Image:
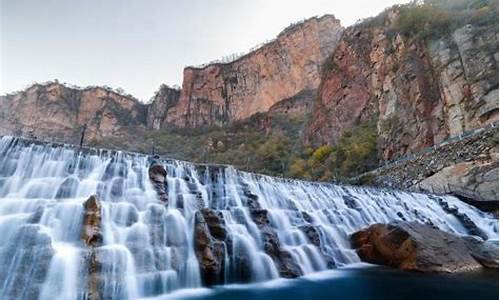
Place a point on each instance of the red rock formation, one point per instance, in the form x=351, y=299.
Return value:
x=421, y=92
x=225, y=92
x=56, y=111
x=212, y=95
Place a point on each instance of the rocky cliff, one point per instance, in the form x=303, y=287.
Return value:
x=216, y=94
x=57, y=111
x=224, y=92
x=421, y=87
x=415, y=76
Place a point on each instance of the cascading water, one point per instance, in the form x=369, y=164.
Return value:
x=148, y=249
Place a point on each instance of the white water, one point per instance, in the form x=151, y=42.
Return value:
x=148, y=248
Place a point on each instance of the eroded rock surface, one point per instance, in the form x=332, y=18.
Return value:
x=417, y=247
x=224, y=92
x=419, y=92
x=158, y=177
x=210, y=241
x=282, y=259
x=92, y=238
x=57, y=111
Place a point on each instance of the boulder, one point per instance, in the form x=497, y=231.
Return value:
x=282, y=259
x=485, y=252
x=314, y=237
x=158, y=177
x=92, y=238
x=209, y=244
x=418, y=247
x=91, y=230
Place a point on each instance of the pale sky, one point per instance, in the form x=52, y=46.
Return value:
x=139, y=44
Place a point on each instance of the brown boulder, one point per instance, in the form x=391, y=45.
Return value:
x=209, y=245
x=418, y=247
x=92, y=238
x=91, y=232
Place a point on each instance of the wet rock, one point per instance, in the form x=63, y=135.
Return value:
x=485, y=252
x=283, y=260
x=92, y=238
x=209, y=244
x=158, y=177
x=215, y=223
x=350, y=202
x=155, y=218
x=252, y=200
x=313, y=236
x=115, y=169
x=307, y=217
x=117, y=188
x=415, y=247
x=36, y=215
x=260, y=217
x=91, y=231
x=67, y=188
x=471, y=227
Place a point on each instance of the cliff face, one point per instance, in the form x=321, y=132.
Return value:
x=421, y=92
x=57, y=111
x=163, y=103
x=283, y=69
x=221, y=93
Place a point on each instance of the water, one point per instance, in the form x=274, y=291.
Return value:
x=368, y=283
x=147, y=248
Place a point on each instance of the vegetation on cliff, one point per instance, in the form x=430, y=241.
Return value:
x=434, y=18
x=404, y=86
x=263, y=144
x=355, y=153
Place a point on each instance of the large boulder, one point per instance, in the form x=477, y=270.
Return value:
x=419, y=247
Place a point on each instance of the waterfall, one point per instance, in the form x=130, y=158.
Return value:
x=275, y=226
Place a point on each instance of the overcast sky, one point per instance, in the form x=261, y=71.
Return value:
x=139, y=44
